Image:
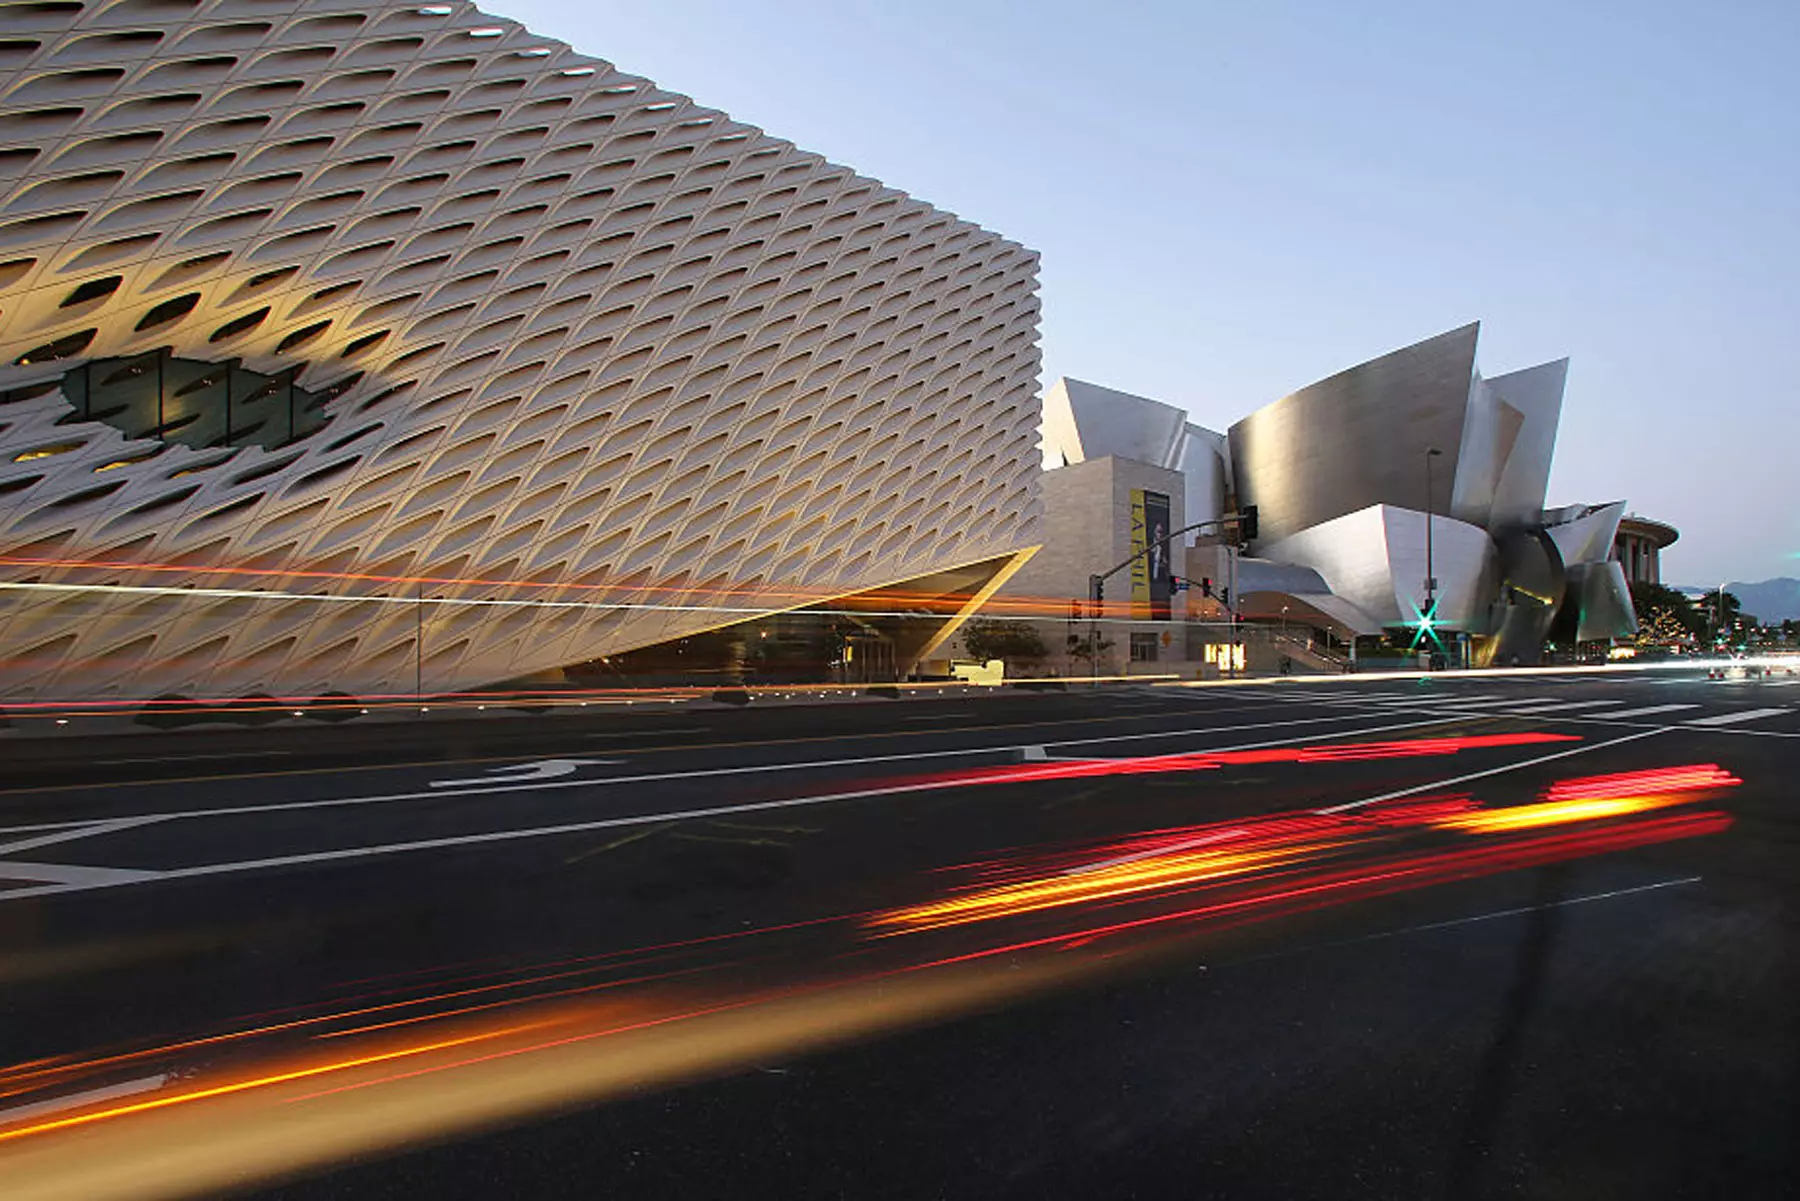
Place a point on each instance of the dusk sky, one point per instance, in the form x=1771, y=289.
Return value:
x=1235, y=200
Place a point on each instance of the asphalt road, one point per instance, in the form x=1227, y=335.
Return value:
x=1257, y=941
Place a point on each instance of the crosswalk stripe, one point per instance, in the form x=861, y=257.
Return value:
x=1560, y=707
x=1504, y=701
x=1398, y=701
x=1402, y=702
x=1650, y=709
x=1730, y=719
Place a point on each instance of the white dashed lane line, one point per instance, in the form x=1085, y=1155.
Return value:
x=1651, y=710
x=1730, y=719
x=1558, y=707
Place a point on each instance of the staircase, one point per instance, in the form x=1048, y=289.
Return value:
x=1310, y=658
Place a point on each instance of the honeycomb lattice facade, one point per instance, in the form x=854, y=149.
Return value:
x=567, y=342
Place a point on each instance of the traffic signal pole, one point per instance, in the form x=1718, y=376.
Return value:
x=1242, y=523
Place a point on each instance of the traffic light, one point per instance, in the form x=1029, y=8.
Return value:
x=1247, y=523
x=1179, y=583
x=1097, y=590
x=1206, y=585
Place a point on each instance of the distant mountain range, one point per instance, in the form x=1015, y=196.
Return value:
x=1771, y=600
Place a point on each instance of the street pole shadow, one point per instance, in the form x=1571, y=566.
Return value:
x=1494, y=1079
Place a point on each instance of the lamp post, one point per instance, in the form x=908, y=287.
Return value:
x=1430, y=573
x=1430, y=615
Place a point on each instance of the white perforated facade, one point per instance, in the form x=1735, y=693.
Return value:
x=562, y=337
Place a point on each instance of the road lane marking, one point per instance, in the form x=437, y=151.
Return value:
x=1493, y=771
x=1445, y=702
x=71, y=833
x=88, y=879
x=62, y=877
x=1729, y=719
x=1556, y=707
x=873, y=735
x=195, y=758
x=1037, y=754
x=1502, y=701
x=539, y=769
x=1650, y=710
x=758, y=768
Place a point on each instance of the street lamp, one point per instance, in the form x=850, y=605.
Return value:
x=1428, y=620
x=1431, y=453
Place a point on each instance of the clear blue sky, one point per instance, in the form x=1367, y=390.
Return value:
x=1233, y=200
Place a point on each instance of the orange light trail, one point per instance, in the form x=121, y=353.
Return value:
x=38, y=1071
x=1595, y=798
x=1108, y=882
x=240, y=1086
x=937, y=602
x=1172, y=861
x=1283, y=898
x=1248, y=870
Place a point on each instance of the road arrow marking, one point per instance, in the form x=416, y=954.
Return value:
x=514, y=773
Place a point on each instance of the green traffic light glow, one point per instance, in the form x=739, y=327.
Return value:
x=1426, y=625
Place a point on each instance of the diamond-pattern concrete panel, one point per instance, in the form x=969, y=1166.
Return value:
x=575, y=332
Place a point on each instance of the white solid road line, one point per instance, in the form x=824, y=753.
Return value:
x=63, y=877
x=1731, y=719
x=1557, y=707
x=1446, y=702
x=1502, y=701
x=1011, y=748
x=1648, y=710
x=69, y=833
x=1478, y=775
x=86, y=879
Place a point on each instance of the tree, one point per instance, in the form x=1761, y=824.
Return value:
x=1666, y=617
x=988, y=638
x=1083, y=647
x=1723, y=614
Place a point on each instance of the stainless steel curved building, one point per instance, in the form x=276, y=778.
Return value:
x=1349, y=472
x=1357, y=438
x=1409, y=466
x=374, y=346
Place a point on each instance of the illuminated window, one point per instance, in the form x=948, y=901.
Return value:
x=44, y=452
x=199, y=404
